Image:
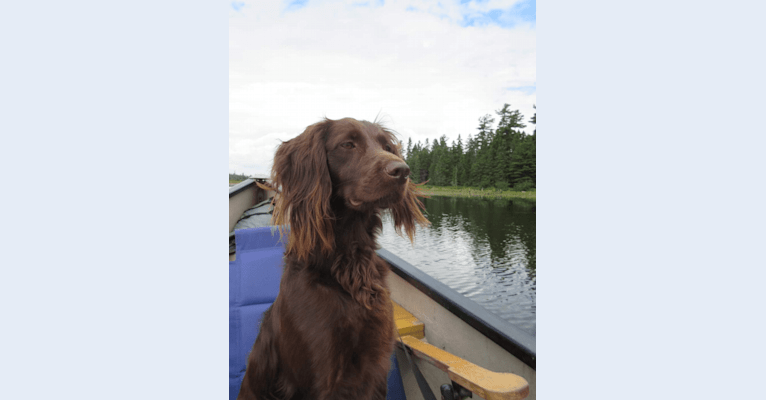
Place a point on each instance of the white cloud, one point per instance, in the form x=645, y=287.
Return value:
x=428, y=75
x=485, y=6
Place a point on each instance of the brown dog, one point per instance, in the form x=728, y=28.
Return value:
x=330, y=332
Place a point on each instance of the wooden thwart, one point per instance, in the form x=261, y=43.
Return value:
x=486, y=384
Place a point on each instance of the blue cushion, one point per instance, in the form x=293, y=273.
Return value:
x=253, y=286
x=395, y=385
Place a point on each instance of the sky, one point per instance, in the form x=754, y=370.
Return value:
x=423, y=68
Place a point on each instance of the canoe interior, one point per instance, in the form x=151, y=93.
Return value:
x=452, y=322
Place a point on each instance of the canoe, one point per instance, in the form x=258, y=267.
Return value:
x=451, y=339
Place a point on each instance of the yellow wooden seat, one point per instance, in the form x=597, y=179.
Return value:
x=486, y=384
x=407, y=324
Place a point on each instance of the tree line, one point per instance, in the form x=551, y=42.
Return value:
x=237, y=177
x=502, y=158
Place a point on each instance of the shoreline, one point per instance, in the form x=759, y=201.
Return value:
x=459, y=191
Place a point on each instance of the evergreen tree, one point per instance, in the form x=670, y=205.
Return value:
x=481, y=170
x=440, y=170
x=507, y=137
x=413, y=162
x=409, y=148
x=456, y=151
x=469, y=159
x=423, y=162
x=504, y=157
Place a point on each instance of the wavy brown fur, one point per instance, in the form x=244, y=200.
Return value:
x=404, y=217
x=330, y=332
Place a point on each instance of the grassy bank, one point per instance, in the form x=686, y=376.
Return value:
x=456, y=191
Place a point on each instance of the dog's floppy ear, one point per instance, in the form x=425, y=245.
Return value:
x=406, y=213
x=301, y=175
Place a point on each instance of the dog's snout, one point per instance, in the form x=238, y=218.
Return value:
x=398, y=169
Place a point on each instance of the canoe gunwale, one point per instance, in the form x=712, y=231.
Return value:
x=234, y=190
x=511, y=338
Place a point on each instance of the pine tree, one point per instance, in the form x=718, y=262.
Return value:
x=469, y=159
x=424, y=162
x=439, y=171
x=409, y=148
x=481, y=169
x=457, y=162
x=510, y=136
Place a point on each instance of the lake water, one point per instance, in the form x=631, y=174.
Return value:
x=482, y=248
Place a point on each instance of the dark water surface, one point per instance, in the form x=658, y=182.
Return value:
x=484, y=249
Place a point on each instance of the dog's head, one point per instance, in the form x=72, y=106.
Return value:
x=357, y=164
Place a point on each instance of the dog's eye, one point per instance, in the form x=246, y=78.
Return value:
x=348, y=145
x=388, y=148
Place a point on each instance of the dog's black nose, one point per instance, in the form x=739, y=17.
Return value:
x=398, y=169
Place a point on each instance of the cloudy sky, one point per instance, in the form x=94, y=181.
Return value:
x=430, y=68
